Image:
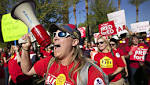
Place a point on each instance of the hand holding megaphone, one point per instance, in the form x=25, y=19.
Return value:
x=26, y=45
x=21, y=40
x=24, y=11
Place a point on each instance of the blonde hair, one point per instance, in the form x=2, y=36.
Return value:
x=12, y=51
x=106, y=41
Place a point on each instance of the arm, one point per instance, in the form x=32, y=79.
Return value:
x=118, y=70
x=26, y=65
x=5, y=60
x=126, y=70
x=130, y=32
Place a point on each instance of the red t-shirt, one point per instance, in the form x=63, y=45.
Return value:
x=61, y=76
x=15, y=71
x=3, y=54
x=123, y=45
x=109, y=63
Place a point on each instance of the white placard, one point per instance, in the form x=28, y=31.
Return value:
x=119, y=19
x=140, y=26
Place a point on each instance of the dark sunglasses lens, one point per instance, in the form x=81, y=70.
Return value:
x=100, y=43
x=112, y=44
x=62, y=34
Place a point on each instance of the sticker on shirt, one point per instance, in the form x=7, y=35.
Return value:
x=106, y=62
x=59, y=80
x=98, y=81
x=117, y=55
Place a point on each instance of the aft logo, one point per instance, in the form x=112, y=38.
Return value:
x=98, y=81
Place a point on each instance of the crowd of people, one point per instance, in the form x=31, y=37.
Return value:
x=66, y=62
x=132, y=72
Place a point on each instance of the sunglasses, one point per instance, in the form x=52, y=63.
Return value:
x=61, y=34
x=112, y=44
x=100, y=43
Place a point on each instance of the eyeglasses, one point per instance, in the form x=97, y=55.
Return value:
x=61, y=34
x=100, y=43
x=112, y=44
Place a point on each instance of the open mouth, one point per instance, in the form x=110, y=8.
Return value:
x=56, y=46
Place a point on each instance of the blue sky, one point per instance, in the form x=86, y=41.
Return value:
x=130, y=12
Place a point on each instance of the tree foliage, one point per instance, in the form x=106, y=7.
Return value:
x=137, y=2
x=98, y=12
x=47, y=11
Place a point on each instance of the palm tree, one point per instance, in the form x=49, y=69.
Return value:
x=88, y=29
x=119, y=1
x=74, y=9
x=65, y=11
x=137, y=3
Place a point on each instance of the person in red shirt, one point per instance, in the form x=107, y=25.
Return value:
x=16, y=74
x=135, y=65
x=68, y=61
x=2, y=69
x=114, y=46
x=110, y=61
x=5, y=56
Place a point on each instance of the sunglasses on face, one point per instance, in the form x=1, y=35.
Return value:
x=112, y=44
x=61, y=34
x=100, y=43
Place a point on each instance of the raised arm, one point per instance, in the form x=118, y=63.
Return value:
x=26, y=65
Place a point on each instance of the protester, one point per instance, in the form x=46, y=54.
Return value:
x=123, y=44
x=47, y=51
x=5, y=56
x=110, y=61
x=16, y=75
x=136, y=66
x=114, y=46
x=1, y=69
x=67, y=63
x=33, y=55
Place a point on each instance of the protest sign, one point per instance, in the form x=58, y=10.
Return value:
x=82, y=31
x=12, y=29
x=107, y=28
x=119, y=19
x=140, y=26
x=138, y=53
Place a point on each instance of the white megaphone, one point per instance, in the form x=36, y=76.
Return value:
x=24, y=11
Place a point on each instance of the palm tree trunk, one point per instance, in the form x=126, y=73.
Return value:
x=74, y=12
x=88, y=29
x=119, y=4
x=86, y=4
x=137, y=14
x=65, y=12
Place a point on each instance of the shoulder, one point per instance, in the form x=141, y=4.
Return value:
x=42, y=64
x=98, y=54
x=95, y=77
x=44, y=60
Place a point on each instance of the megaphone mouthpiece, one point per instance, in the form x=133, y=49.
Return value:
x=24, y=11
x=18, y=3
